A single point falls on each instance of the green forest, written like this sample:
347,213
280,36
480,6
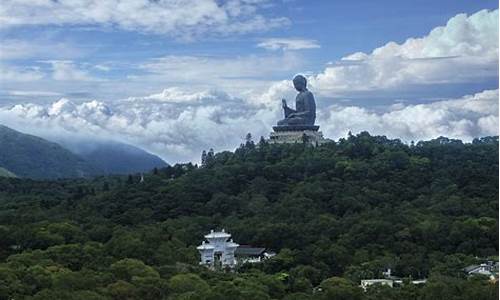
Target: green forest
334,214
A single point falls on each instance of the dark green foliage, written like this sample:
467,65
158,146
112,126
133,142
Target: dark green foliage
335,214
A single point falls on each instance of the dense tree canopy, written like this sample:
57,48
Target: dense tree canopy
335,214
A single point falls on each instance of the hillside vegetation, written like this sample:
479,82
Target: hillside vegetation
30,156
335,214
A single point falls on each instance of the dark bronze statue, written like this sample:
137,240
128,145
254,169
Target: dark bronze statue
304,114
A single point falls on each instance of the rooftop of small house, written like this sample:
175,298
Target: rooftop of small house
247,250
490,266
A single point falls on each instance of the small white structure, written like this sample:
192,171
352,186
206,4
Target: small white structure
206,253
367,282
387,273
389,280
218,250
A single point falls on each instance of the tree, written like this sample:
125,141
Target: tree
150,287
225,290
339,288
128,268
305,139
204,158
76,295
249,144
126,244
188,283
122,290
10,285
209,158
262,142
298,296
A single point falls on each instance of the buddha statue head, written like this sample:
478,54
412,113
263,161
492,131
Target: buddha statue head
300,83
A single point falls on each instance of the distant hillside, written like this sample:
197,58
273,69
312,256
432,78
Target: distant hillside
30,156
116,158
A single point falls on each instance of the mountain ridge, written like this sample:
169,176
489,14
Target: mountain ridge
30,156
34,157
116,158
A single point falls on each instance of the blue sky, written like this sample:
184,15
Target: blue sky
234,59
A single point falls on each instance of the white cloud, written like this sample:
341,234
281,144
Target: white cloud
13,70
179,18
190,116
236,75
177,95
103,68
40,48
32,93
207,68
178,125
464,118
66,70
465,50
19,74
288,44
177,129
242,76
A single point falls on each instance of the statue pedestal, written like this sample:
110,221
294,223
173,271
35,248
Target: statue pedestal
282,135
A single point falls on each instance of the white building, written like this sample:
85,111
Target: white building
489,269
367,282
389,280
218,250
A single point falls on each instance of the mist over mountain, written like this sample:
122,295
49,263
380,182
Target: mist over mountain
115,158
30,156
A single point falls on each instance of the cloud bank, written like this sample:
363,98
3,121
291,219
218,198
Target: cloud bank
185,19
465,50
178,125
175,124
288,44
462,53
465,118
